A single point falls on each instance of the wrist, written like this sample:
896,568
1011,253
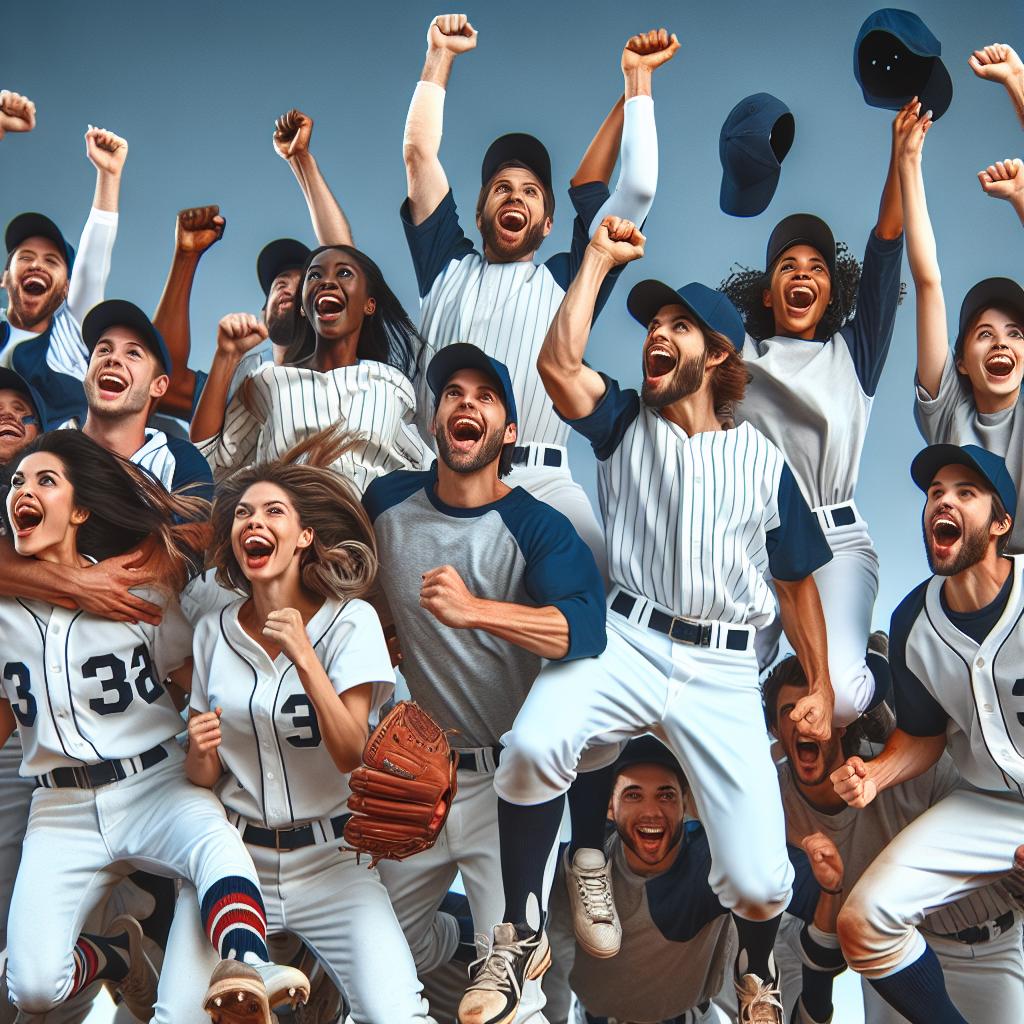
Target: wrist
437,66
595,259
637,81
832,892
476,613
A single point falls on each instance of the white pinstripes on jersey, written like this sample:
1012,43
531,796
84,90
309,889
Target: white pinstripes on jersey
686,518
66,353
282,405
157,458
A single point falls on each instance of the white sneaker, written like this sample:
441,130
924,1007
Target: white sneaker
595,920
760,1002
498,978
138,986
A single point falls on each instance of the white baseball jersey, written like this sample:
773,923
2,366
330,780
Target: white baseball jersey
86,689
813,397
278,770
282,405
693,523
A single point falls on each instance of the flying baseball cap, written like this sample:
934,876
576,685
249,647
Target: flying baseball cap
33,225
649,750
802,229
517,148
278,256
11,380
463,356
712,309
754,140
896,56
991,467
121,313
993,291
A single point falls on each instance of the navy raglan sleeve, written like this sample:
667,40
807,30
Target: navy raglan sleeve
917,711
392,489
561,573
797,546
436,242
605,427
192,472
869,333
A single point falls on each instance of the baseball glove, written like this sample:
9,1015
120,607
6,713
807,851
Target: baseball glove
403,790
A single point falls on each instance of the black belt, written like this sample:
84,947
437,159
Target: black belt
843,515
521,455
103,773
469,762
985,932
697,634
285,839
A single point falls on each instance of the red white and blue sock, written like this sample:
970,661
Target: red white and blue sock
98,958
235,919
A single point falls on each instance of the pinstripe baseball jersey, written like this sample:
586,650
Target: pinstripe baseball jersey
813,397
281,405
86,689
693,523
963,675
503,308
176,463
278,769
247,366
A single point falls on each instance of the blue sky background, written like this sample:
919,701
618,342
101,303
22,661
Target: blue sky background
195,88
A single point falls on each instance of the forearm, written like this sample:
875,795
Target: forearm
343,735
172,320
804,624
34,579
426,181
92,262
1015,90
330,225
202,769
905,757
599,160
826,912
209,416
890,209
1017,202
922,253
542,631
108,189
638,165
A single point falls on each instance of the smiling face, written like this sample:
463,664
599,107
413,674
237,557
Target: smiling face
124,377
675,357
335,299
469,422
810,763
15,433
280,304
648,810
36,281
993,353
959,523
267,538
799,291
513,218
41,509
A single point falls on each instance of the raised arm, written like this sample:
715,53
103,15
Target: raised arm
574,388
1000,63
1005,180
447,37
292,132
17,113
932,335
195,230
890,208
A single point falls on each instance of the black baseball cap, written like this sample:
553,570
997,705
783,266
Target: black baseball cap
121,313
32,225
517,148
897,56
713,310
754,140
802,229
11,380
649,750
991,467
993,291
278,256
463,356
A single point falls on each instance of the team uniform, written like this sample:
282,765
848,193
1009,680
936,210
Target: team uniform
692,526
517,550
955,674
813,399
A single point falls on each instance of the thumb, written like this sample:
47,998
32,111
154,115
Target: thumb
218,711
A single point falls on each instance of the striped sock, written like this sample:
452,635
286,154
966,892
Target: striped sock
99,959
236,921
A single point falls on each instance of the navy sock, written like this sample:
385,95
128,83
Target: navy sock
588,808
526,836
919,992
757,939
879,667
816,993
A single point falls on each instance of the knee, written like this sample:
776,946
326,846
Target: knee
869,934
535,766
35,992
757,897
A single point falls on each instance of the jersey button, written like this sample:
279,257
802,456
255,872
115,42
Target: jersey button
980,663
270,775
987,708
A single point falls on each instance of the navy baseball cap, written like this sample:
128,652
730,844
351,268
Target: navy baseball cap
801,229
121,313
712,309
517,148
278,256
755,139
896,56
463,356
649,750
11,380
993,291
33,225
991,467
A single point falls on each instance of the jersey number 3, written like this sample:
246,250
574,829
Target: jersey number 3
112,673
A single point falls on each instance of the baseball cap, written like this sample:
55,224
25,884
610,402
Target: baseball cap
990,466
463,356
11,380
993,291
896,56
754,140
517,148
712,309
121,313
649,750
802,229
32,225
276,257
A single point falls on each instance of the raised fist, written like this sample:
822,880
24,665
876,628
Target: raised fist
451,32
852,782
17,113
238,333
909,128
1004,179
106,151
197,228
649,50
291,133
618,239
826,863
996,63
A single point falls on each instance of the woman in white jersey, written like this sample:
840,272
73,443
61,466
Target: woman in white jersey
353,361
286,679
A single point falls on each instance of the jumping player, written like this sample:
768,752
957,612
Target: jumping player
957,647
695,515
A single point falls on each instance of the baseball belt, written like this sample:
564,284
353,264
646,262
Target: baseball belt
478,759
297,837
694,632
103,773
831,516
984,932
550,455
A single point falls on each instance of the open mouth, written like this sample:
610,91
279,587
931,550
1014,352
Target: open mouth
659,360
329,306
806,753
11,430
800,297
111,383
26,518
512,219
1000,364
35,284
946,531
257,551
650,837
465,430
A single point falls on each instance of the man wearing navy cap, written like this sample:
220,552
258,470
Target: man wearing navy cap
22,413
957,647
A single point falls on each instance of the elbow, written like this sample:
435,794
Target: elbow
415,153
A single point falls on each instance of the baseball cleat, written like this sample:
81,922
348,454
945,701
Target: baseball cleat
240,993
595,920
760,1002
516,955
138,986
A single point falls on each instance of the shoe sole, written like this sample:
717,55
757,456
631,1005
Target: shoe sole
596,951
238,1001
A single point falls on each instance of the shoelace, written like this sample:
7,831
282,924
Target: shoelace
767,995
596,897
497,973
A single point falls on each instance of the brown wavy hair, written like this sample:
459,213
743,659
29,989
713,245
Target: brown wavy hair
729,379
341,562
